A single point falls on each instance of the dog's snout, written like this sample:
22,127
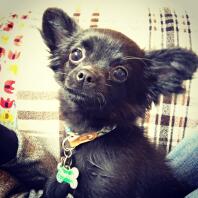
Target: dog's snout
85,76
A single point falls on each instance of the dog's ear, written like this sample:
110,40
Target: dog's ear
167,68
57,27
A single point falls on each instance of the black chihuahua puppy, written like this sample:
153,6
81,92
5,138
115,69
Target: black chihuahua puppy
106,80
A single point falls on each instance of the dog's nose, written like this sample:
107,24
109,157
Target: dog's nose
85,77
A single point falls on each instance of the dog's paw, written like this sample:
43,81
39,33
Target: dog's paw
8,144
54,189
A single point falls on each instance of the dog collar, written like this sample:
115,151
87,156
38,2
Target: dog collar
74,139
65,173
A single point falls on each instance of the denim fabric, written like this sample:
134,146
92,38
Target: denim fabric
184,161
193,194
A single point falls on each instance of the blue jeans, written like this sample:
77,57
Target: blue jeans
184,161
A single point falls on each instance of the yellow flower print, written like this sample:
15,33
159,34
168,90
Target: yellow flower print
4,39
6,117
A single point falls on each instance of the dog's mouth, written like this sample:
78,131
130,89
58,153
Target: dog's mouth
80,97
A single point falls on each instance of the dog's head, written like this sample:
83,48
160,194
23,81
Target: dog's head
104,71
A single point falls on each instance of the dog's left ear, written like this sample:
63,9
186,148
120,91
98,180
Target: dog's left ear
57,28
166,70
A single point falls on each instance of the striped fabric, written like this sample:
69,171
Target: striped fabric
166,124
38,111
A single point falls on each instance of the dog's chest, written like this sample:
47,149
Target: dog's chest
93,162
101,169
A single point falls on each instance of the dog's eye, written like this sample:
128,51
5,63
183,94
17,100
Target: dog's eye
119,74
76,56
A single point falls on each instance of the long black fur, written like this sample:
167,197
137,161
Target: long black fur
121,164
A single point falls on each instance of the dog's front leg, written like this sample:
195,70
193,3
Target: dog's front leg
25,158
54,189
8,144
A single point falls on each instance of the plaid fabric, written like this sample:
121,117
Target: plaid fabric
166,123
37,105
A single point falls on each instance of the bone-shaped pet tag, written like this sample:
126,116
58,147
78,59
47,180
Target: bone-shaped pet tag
67,175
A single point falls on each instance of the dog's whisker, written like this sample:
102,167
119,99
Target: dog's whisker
99,102
60,73
140,58
135,58
102,97
108,85
104,100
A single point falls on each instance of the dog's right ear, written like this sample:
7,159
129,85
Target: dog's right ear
57,27
167,69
